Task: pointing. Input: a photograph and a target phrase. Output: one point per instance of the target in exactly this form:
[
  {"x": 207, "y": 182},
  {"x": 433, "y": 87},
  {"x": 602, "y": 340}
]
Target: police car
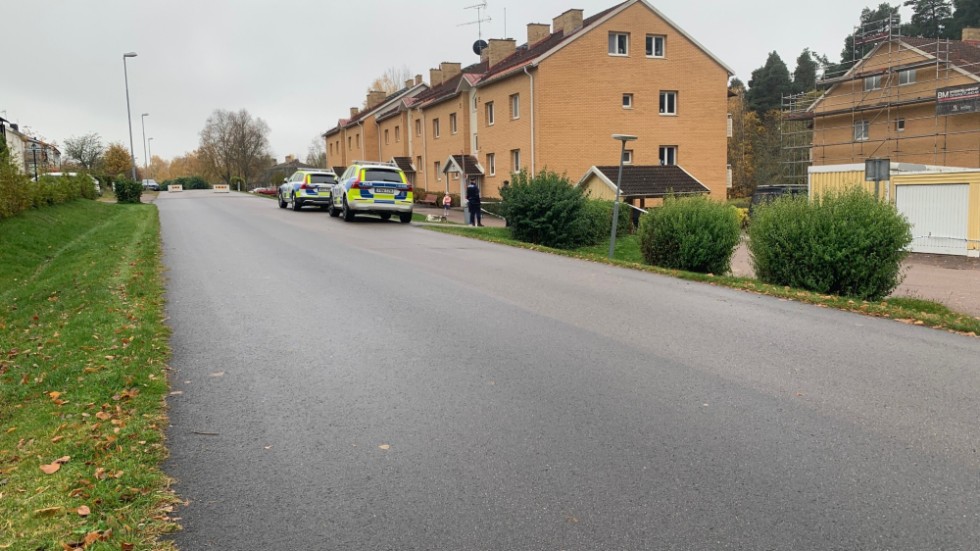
[
  {"x": 370, "y": 187},
  {"x": 308, "y": 186}
]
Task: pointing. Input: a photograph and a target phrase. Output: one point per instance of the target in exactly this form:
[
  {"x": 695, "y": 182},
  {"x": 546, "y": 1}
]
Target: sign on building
[{"x": 958, "y": 100}]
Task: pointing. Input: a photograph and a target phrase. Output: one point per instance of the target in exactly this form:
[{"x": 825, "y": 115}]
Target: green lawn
[{"x": 83, "y": 351}]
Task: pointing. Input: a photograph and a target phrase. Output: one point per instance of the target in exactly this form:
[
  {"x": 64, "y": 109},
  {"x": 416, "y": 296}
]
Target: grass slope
[{"x": 82, "y": 379}]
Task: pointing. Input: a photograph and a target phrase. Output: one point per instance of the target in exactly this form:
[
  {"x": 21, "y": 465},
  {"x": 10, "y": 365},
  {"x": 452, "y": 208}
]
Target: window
[
  {"x": 619, "y": 43},
  {"x": 899, "y": 125},
  {"x": 491, "y": 164},
  {"x": 668, "y": 103},
  {"x": 331, "y": 148},
  {"x": 668, "y": 155},
  {"x": 627, "y": 101},
  {"x": 418, "y": 127},
  {"x": 386, "y": 136},
  {"x": 452, "y": 123},
  {"x": 872, "y": 83},
  {"x": 628, "y": 157},
  {"x": 515, "y": 160},
  {"x": 435, "y": 128},
  {"x": 398, "y": 134},
  {"x": 906, "y": 77},
  {"x": 861, "y": 129},
  {"x": 730, "y": 126},
  {"x": 655, "y": 45},
  {"x": 357, "y": 140},
  {"x": 437, "y": 166},
  {"x": 489, "y": 113},
  {"x": 515, "y": 106},
  {"x": 418, "y": 163},
  {"x": 349, "y": 144}
]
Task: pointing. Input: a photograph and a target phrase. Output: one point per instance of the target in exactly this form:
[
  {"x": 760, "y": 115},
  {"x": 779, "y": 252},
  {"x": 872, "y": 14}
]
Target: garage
[{"x": 939, "y": 214}]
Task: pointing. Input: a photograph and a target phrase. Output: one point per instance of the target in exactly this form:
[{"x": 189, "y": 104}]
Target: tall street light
[
  {"x": 619, "y": 181},
  {"x": 149, "y": 145},
  {"x": 146, "y": 159},
  {"x": 129, "y": 116}
]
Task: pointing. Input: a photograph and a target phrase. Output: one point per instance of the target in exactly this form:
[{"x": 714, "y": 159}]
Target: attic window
[
  {"x": 619, "y": 44},
  {"x": 655, "y": 45},
  {"x": 872, "y": 83}
]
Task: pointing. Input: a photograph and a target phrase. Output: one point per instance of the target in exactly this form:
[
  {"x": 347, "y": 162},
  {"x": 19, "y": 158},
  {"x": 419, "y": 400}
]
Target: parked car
[
  {"x": 95, "y": 182},
  {"x": 368, "y": 187},
  {"x": 264, "y": 191},
  {"x": 307, "y": 186},
  {"x": 151, "y": 185}
]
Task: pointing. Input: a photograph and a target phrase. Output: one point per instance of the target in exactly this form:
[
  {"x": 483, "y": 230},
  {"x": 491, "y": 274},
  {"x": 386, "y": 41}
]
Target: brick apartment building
[{"x": 554, "y": 102}]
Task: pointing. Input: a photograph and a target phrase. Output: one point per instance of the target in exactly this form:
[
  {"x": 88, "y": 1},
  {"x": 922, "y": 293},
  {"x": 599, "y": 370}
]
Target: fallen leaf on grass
[
  {"x": 57, "y": 439},
  {"x": 103, "y": 416},
  {"x": 84, "y": 511},
  {"x": 48, "y": 511},
  {"x": 50, "y": 469}
]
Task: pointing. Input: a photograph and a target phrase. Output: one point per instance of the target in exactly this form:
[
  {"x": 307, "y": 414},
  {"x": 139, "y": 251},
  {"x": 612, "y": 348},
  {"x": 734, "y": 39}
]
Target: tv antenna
[{"x": 480, "y": 19}]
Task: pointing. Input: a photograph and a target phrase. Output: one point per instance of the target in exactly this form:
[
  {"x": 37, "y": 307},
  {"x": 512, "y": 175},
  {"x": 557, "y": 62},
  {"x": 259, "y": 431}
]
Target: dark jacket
[{"x": 473, "y": 195}]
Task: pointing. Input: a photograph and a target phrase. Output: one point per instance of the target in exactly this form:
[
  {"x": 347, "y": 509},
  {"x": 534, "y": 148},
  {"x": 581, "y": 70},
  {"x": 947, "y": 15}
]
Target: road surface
[{"x": 375, "y": 385}]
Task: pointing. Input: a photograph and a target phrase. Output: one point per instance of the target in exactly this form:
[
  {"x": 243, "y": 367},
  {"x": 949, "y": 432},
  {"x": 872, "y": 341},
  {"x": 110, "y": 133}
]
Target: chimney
[
  {"x": 15, "y": 127},
  {"x": 354, "y": 111},
  {"x": 536, "y": 32},
  {"x": 971, "y": 35},
  {"x": 409, "y": 83},
  {"x": 374, "y": 99},
  {"x": 498, "y": 49},
  {"x": 290, "y": 158},
  {"x": 418, "y": 79},
  {"x": 449, "y": 70},
  {"x": 435, "y": 77},
  {"x": 570, "y": 21}
]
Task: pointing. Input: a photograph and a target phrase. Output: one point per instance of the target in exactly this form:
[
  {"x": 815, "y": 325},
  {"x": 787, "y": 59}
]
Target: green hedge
[
  {"x": 597, "y": 215},
  {"x": 128, "y": 191},
  {"x": 546, "y": 210},
  {"x": 848, "y": 243},
  {"x": 188, "y": 182},
  {"x": 691, "y": 233},
  {"x": 15, "y": 190},
  {"x": 19, "y": 193}
]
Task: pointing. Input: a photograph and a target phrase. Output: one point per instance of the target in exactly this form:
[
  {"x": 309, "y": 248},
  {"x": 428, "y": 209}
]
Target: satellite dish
[{"x": 479, "y": 46}]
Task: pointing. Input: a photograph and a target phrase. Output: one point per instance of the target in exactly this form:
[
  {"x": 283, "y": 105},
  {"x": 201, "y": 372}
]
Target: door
[{"x": 938, "y": 214}]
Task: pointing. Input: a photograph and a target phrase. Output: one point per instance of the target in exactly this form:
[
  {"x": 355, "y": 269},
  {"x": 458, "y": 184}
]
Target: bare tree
[
  {"x": 316, "y": 155},
  {"x": 86, "y": 150},
  {"x": 234, "y": 146},
  {"x": 392, "y": 80}
]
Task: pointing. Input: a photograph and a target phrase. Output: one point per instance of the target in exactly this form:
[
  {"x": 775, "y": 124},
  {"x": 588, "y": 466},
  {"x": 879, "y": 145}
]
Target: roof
[
  {"x": 450, "y": 88},
  {"x": 339, "y": 169},
  {"x": 404, "y": 163},
  {"x": 964, "y": 55},
  {"x": 648, "y": 180},
  {"x": 466, "y": 164}
]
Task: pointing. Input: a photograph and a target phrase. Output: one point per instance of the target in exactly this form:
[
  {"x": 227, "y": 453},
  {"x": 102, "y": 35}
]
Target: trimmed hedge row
[
  {"x": 690, "y": 233},
  {"x": 19, "y": 193}
]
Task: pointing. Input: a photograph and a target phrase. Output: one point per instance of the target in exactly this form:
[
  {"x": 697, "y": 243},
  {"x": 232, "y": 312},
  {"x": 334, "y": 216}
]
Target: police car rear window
[
  {"x": 382, "y": 175},
  {"x": 322, "y": 179}
]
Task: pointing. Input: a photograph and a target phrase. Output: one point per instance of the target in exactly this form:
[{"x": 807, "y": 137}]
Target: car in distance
[
  {"x": 265, "y": 191},
  {"x": 151, "y": 185},
  {"x": 370, "y": 187},
  {"x": 307, "y": 186}
]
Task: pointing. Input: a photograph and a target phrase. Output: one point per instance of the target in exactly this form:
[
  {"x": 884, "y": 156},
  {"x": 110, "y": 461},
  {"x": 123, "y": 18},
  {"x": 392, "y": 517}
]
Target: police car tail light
[
  {"x": 359, "y": 185},
  {"x": 410, "y": 188}
]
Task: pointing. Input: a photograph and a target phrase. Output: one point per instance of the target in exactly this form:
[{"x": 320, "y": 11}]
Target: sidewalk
[{"x": 457, "y": 216}]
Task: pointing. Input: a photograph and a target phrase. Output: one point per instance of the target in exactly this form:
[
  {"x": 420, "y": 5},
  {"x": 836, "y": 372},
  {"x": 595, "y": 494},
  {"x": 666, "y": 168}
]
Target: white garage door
[{"x": 938, "y": 214}]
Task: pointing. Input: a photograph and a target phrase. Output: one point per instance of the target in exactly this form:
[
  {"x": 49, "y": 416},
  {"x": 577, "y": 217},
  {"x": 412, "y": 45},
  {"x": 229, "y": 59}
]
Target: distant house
[
  {"x": 274, "y": 175},
  {"x": 29, "y": 154}
]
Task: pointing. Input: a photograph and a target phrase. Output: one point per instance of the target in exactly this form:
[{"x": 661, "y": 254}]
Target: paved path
[{"x": 374, "y": 385}]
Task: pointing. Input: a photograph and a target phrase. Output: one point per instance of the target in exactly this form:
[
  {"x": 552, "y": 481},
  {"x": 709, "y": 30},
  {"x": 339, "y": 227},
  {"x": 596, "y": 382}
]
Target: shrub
[
  {"x": 128, "y": 191},
  {"x": 15, "y": 190},
  {"x": 546, "y": 210},
  {"x": 847, "y": 243},
  {"x": 597, "y": 217},
  {"x": 690, "y": 233},
  {"x": 188, "y": 182}
]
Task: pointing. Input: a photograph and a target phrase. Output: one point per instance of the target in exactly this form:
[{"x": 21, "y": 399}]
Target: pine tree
[
  {"x": 929, "y": 18},
  {"x": 768, "y": 85},
  {"x": 966, "y": 14},
  {"x": 805, "y": 75}
]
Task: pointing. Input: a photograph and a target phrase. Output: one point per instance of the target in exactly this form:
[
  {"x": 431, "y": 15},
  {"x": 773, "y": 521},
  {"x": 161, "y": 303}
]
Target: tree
[
  {"x": 316, "y": 155},
  {"x": 86, "y": 150},
  {"x": 851, "y": 53},
  {"x": 392, "y": 80},
  {"x": 116, "y": 161},
  {"x": 805, "y": 74},
  {"x": 187, "y": 166},
  {"x": 745, "y": 131},
  {"x": 768, "y": 85},
  {"x": 929, "y": 18},
  {"x": 234, "y": 146},
  {"x": 966, "y": 13}
]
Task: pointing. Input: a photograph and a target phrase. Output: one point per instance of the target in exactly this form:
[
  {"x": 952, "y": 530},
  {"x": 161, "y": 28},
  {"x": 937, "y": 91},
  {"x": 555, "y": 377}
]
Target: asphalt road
[{"x": 380, "y": 386}]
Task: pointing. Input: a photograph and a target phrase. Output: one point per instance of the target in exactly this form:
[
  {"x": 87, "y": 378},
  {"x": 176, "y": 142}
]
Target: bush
[
  {"x": 546, "y": 210},
  {"x": 847, "y": 243},
  {"x": 691, "y": 233},
  {"x": 15, "y": 190},
  {"x": 188, "y": 182},
  {"x": 128, "y": 191},
  {"x": 597, "y": 217}
]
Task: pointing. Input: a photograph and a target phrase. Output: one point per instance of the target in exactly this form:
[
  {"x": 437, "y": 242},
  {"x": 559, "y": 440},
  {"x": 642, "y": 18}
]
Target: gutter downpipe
[
  {"x": 363, "y": 146},
  {"x": 530, "y": 76},
  {"x": 425, "y": 148}
]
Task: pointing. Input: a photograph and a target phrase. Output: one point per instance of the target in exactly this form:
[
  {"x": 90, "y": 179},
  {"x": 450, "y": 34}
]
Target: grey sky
[{"x": 300, "y": 65}]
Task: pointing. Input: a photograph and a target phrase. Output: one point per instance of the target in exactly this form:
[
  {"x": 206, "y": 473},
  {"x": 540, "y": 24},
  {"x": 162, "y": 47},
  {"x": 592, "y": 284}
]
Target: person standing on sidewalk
[
  {"x": 447, "y": 201},
  {"x": 473, "y": 203}
]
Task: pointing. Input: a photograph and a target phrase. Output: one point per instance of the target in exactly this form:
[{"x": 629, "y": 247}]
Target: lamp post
[
  {"x": 129, "y": 116},
  {"x": 146, "y": 159},
  {"x": 615, "y": 221},
  {"x": 34, "y": 149},
  {"x": 149, "y": 145}
]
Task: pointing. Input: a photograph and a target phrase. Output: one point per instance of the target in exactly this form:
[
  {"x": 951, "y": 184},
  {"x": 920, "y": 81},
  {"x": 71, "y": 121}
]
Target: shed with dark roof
[{"x": 641, "y": 183}]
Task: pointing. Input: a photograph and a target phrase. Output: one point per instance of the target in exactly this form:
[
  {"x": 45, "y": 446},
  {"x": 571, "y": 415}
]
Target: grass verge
[
  {"x": 83, "y": 352},
  {"x": 627, "y": 255}
]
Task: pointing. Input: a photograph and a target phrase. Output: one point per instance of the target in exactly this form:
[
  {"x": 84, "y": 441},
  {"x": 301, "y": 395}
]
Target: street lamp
[
  {"x": 146, "y": 159},
  {"x": 619, "y": 181},
  {"x": 34, "y": 148},
  {"x": 129, "y": 116},
  {"x": 149, "y": 145}
]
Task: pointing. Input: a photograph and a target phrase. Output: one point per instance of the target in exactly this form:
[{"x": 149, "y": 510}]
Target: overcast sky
[{"x": 301, "y": 64}]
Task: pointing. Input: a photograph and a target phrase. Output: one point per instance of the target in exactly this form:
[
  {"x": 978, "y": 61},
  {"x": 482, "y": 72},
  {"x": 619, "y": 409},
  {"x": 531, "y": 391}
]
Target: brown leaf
[
  {"x": 91, "y": 538},
  {"x": 84, "y": 511},
  {"x": 48, "y": 511},
  {"x": 103, "y": 416},
  {"x": 63, "y": 460},
  {"x": 100, "y": 473},
  {"x": 126, "y": 546},
  {"x": 57, "y": 439},
  {"x": 54, "y": 395},
  {"x": 50, "y": 469}
]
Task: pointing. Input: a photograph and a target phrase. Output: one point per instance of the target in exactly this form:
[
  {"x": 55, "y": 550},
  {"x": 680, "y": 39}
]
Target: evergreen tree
[
  {"x": 966, "y": 14},
  {"x": 929, "y": 18},
  {"x": 805, "y": 75},
  {"x": 851, "y": 53},
  {"x": 768, "y": 85}
]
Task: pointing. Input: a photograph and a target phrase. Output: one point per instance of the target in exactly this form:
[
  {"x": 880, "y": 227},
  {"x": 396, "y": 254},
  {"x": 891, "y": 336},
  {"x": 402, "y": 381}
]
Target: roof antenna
[{"x": 480, "y": 44}]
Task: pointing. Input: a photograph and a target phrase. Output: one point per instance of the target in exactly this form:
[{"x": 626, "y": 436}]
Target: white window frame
[
  {"x": 386, "y": 137},
  {"x": 652, "y": 51},
  {"x": 398, "y": 134},
  {"x": 438, "y": 167},
  {"x": 628, "y": 157},
  {"x": 614, "y": 44},
  {"x": 515, "y": 106},
  {"x": 627, "y": 101},
  {"x": 491, "y": 164},
  {"x": 453, "y": 126},
  {"x": 436, "y": 128},
  {"x": 515, "y": 161},
  {"x": 900, "y": 125},
  {"x": 906, "y": 77},
  {"x": 862, "y": 130},
  {"x": 491, "y": 116},
  {"x": 665, "y": 104},
  {"x": 418, "y": 127},
  {"x": 668, "y": 155},
  {"x": 872, "y": 82}
]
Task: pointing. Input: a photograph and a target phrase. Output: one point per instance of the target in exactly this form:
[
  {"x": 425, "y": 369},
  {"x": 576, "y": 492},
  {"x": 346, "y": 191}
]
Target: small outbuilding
[{"x": 642, "y": 186}]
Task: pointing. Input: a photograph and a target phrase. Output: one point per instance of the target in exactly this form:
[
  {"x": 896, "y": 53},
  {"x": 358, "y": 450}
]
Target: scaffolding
[{"x": 884, "y": 94}]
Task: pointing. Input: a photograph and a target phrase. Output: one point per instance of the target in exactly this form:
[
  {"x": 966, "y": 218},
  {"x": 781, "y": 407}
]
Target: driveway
[{"x": 951, "y": 280}]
